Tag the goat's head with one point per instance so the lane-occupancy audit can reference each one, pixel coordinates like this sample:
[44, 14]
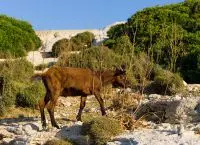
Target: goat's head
[120, 79]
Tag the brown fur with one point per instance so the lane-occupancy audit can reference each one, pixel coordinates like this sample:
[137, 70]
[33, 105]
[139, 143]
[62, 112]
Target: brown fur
[67, 81]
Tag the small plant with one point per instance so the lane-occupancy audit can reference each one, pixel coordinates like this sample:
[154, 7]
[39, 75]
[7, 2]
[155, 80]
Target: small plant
[58, 142]
[101, 129]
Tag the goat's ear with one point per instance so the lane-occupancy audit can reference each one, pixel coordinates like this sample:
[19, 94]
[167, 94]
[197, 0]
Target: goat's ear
[120, 70]
[123, 67]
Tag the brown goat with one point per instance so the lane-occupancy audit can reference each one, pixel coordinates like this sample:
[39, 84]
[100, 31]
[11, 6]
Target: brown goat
[67, 81]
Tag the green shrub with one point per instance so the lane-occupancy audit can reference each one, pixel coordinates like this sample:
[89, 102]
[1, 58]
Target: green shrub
[58, 142]
[16, 75]
[16, 37]
[17, 70]
[168, 82]
[101, 129]
[30, 95]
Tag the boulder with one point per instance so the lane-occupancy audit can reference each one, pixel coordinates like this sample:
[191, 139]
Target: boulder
[170, 110]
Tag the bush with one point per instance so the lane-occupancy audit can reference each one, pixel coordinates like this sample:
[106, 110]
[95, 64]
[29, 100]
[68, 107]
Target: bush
[101, 129]
[17, 70]
[30, 95]
[58, 142]
[168, 82]
[16, 37]
[16, 75]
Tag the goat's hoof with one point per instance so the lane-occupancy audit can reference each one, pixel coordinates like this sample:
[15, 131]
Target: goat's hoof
[56, 126]
[44, 128]
[78, 119]
[104, 114]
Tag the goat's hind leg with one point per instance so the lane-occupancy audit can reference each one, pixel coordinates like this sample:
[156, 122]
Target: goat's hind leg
[50, 109]
[82, 105]
[43, 102]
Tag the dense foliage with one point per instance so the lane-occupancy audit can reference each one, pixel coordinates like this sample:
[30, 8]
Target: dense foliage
[16, 37]
[168, 34]
[76, 43]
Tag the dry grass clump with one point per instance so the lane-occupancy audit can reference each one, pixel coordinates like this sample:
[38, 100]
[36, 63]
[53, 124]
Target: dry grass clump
[126, 105]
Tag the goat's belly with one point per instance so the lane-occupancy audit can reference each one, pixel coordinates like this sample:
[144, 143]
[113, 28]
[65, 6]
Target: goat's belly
[72, 92]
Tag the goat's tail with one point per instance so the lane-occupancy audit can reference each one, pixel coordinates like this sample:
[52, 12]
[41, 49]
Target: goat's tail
[37, 76]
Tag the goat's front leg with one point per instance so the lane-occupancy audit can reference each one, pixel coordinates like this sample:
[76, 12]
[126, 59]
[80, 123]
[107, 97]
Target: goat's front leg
[82, 105]
[101, 103]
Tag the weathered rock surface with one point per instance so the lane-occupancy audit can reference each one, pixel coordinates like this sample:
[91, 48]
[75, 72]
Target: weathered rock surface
[170, 109]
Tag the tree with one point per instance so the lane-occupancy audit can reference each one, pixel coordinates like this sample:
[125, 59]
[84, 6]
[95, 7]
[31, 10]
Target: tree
[167, 33]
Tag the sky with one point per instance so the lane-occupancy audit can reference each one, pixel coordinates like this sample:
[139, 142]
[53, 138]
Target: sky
[75, 14]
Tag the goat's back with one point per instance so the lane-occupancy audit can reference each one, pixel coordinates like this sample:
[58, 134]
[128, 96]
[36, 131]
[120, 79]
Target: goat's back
[77, 78]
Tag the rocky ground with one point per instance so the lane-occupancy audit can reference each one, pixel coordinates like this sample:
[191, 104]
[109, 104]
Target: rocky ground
[181, 124]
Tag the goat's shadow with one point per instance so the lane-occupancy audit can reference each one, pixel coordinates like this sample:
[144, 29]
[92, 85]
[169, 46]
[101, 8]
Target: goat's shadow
[69, 131]
[74, 134]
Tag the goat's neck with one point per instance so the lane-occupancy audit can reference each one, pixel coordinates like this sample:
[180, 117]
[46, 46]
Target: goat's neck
[106, 77]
